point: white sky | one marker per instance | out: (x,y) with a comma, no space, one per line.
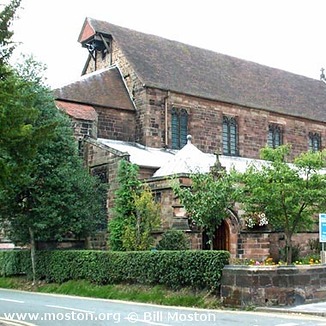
(286,34)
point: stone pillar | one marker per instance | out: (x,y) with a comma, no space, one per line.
(323,257)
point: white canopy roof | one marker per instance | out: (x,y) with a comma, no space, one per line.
(139,154)
(189,159)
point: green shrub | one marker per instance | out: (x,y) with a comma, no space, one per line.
(14,262)
(174,269)
(296,249)
(173,240)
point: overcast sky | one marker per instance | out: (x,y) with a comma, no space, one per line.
(286,34)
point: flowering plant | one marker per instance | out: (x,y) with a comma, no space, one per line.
(256,219)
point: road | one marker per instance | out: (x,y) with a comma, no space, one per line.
(58,310)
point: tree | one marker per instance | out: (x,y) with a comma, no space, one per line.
(17,112)
(135,214)
(289,195)
(208,201)
(45,193)
(138,232)
(7,16)
(124,208)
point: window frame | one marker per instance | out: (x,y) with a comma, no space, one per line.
(179,127)
(230,136)
(273,131)
(312,138)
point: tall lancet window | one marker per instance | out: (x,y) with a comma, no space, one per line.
(179,127)
(230,136)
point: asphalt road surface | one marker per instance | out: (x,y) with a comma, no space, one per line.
(57,310)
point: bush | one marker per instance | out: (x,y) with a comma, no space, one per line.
(15,262)
(296,249)
(173,240)
(174,269)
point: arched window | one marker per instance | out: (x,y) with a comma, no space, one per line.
(179,128)
(314,141)
(274,136)
(230,136)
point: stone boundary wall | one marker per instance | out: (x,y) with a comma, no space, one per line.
(272,285)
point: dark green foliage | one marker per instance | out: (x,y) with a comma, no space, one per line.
(54,195)
(45,192)
(135,213)
(15,263)
(124,211)
(175,269)
(129,184)
(45,189)
(7,16)
(173,240)
(138,233)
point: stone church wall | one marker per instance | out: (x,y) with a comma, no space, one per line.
(116,124)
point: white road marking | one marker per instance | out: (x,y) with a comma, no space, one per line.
(73,309)
(134,320)
(11,300)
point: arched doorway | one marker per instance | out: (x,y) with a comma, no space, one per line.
(221,239)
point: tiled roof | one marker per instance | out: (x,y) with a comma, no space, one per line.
(102,88)
(78,111)
(179,67)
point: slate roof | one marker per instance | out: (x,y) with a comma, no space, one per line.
(187,69)
(101,88)
(78,111)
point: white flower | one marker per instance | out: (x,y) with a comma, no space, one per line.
(258,219)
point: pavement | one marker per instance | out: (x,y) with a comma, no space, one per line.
(316,309)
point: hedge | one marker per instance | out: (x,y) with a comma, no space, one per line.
(175,269)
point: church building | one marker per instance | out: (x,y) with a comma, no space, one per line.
(140,96)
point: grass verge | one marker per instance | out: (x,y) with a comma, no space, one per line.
(129,292)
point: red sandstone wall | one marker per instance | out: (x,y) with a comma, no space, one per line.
(272,285)
(116,124)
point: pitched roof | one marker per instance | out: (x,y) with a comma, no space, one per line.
(189,159)
(101,88)
(179,67)
(77,111)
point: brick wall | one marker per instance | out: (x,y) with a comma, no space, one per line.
(253,245)
(261,244)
